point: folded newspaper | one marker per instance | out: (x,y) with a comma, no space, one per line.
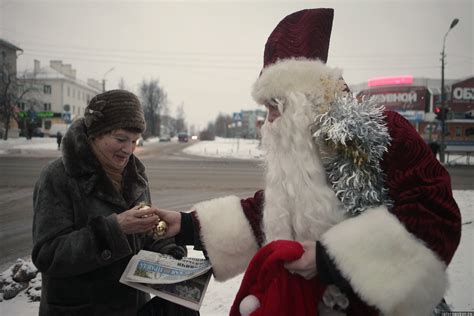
(183,282)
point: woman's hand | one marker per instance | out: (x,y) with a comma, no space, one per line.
(172,219)
(137,220)
(306,264)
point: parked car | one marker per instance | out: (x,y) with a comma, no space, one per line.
(165,138)
(55,128)
(35,132)
(183,137)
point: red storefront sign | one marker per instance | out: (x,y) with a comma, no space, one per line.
(401,98)
(462,96)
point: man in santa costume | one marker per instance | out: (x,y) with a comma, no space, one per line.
(353,183)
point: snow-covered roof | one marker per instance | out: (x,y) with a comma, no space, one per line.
(48,73)
(9,45)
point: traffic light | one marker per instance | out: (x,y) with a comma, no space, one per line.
(441,113)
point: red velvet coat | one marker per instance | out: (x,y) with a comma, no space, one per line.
(391,260)
(420,188)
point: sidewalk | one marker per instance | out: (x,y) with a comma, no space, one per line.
(37,146)
(219,148)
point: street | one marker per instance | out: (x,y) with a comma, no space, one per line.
(177,182)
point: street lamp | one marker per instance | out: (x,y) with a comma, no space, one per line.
(103,78)
(443,105)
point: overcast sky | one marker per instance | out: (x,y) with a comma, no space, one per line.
(207,54)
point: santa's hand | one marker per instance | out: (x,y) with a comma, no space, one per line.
(172,219)
(306,264)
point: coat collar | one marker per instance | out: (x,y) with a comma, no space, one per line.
(80,162)
(352,138)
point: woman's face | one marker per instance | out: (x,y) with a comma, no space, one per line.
(117,146)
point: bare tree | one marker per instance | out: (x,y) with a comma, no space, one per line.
(221,123)
(166,128)
(209,133)
(12,92)
(154,100)
(180,119)
(122,85)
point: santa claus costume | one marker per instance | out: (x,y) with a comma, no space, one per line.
(350,175)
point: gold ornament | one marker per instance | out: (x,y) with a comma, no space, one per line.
(350,150)
(144,206)
(161,227)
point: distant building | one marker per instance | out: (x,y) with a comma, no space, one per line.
(250,123)
(8,56)
(8,74)
(62,97)
(418,100)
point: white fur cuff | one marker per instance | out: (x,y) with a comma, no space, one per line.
(386,265)
(226,235)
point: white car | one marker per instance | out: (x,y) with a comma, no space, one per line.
(165,138)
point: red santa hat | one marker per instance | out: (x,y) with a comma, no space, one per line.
(295,56)
(305,33)
(269,289)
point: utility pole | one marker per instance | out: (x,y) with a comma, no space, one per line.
(443,105)
(103,78)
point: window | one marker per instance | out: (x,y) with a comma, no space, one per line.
(458,132)
(73,93)
(68,91)
(47,124)
(47,106)
(469,132)
(73,109)
(47,89)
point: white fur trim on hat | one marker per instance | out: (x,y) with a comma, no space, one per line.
(226,235)
(297,75)
(386,265)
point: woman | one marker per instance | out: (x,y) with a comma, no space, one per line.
(87,222)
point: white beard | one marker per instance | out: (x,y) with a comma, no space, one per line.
(299,204)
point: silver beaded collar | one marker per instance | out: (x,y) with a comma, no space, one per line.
(352,138)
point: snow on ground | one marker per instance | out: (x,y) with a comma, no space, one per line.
(227,148)
(219,296)
(23,146)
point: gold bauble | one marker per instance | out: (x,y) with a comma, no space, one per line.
(160,229)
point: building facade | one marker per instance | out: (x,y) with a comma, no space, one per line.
(8,87)
(419,101)
(60,96)
(250,123)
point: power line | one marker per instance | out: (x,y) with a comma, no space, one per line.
(136,61)
(42,44)
(118,54)
(46,43)
(188,62)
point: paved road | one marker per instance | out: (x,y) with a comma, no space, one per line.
(177,182)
